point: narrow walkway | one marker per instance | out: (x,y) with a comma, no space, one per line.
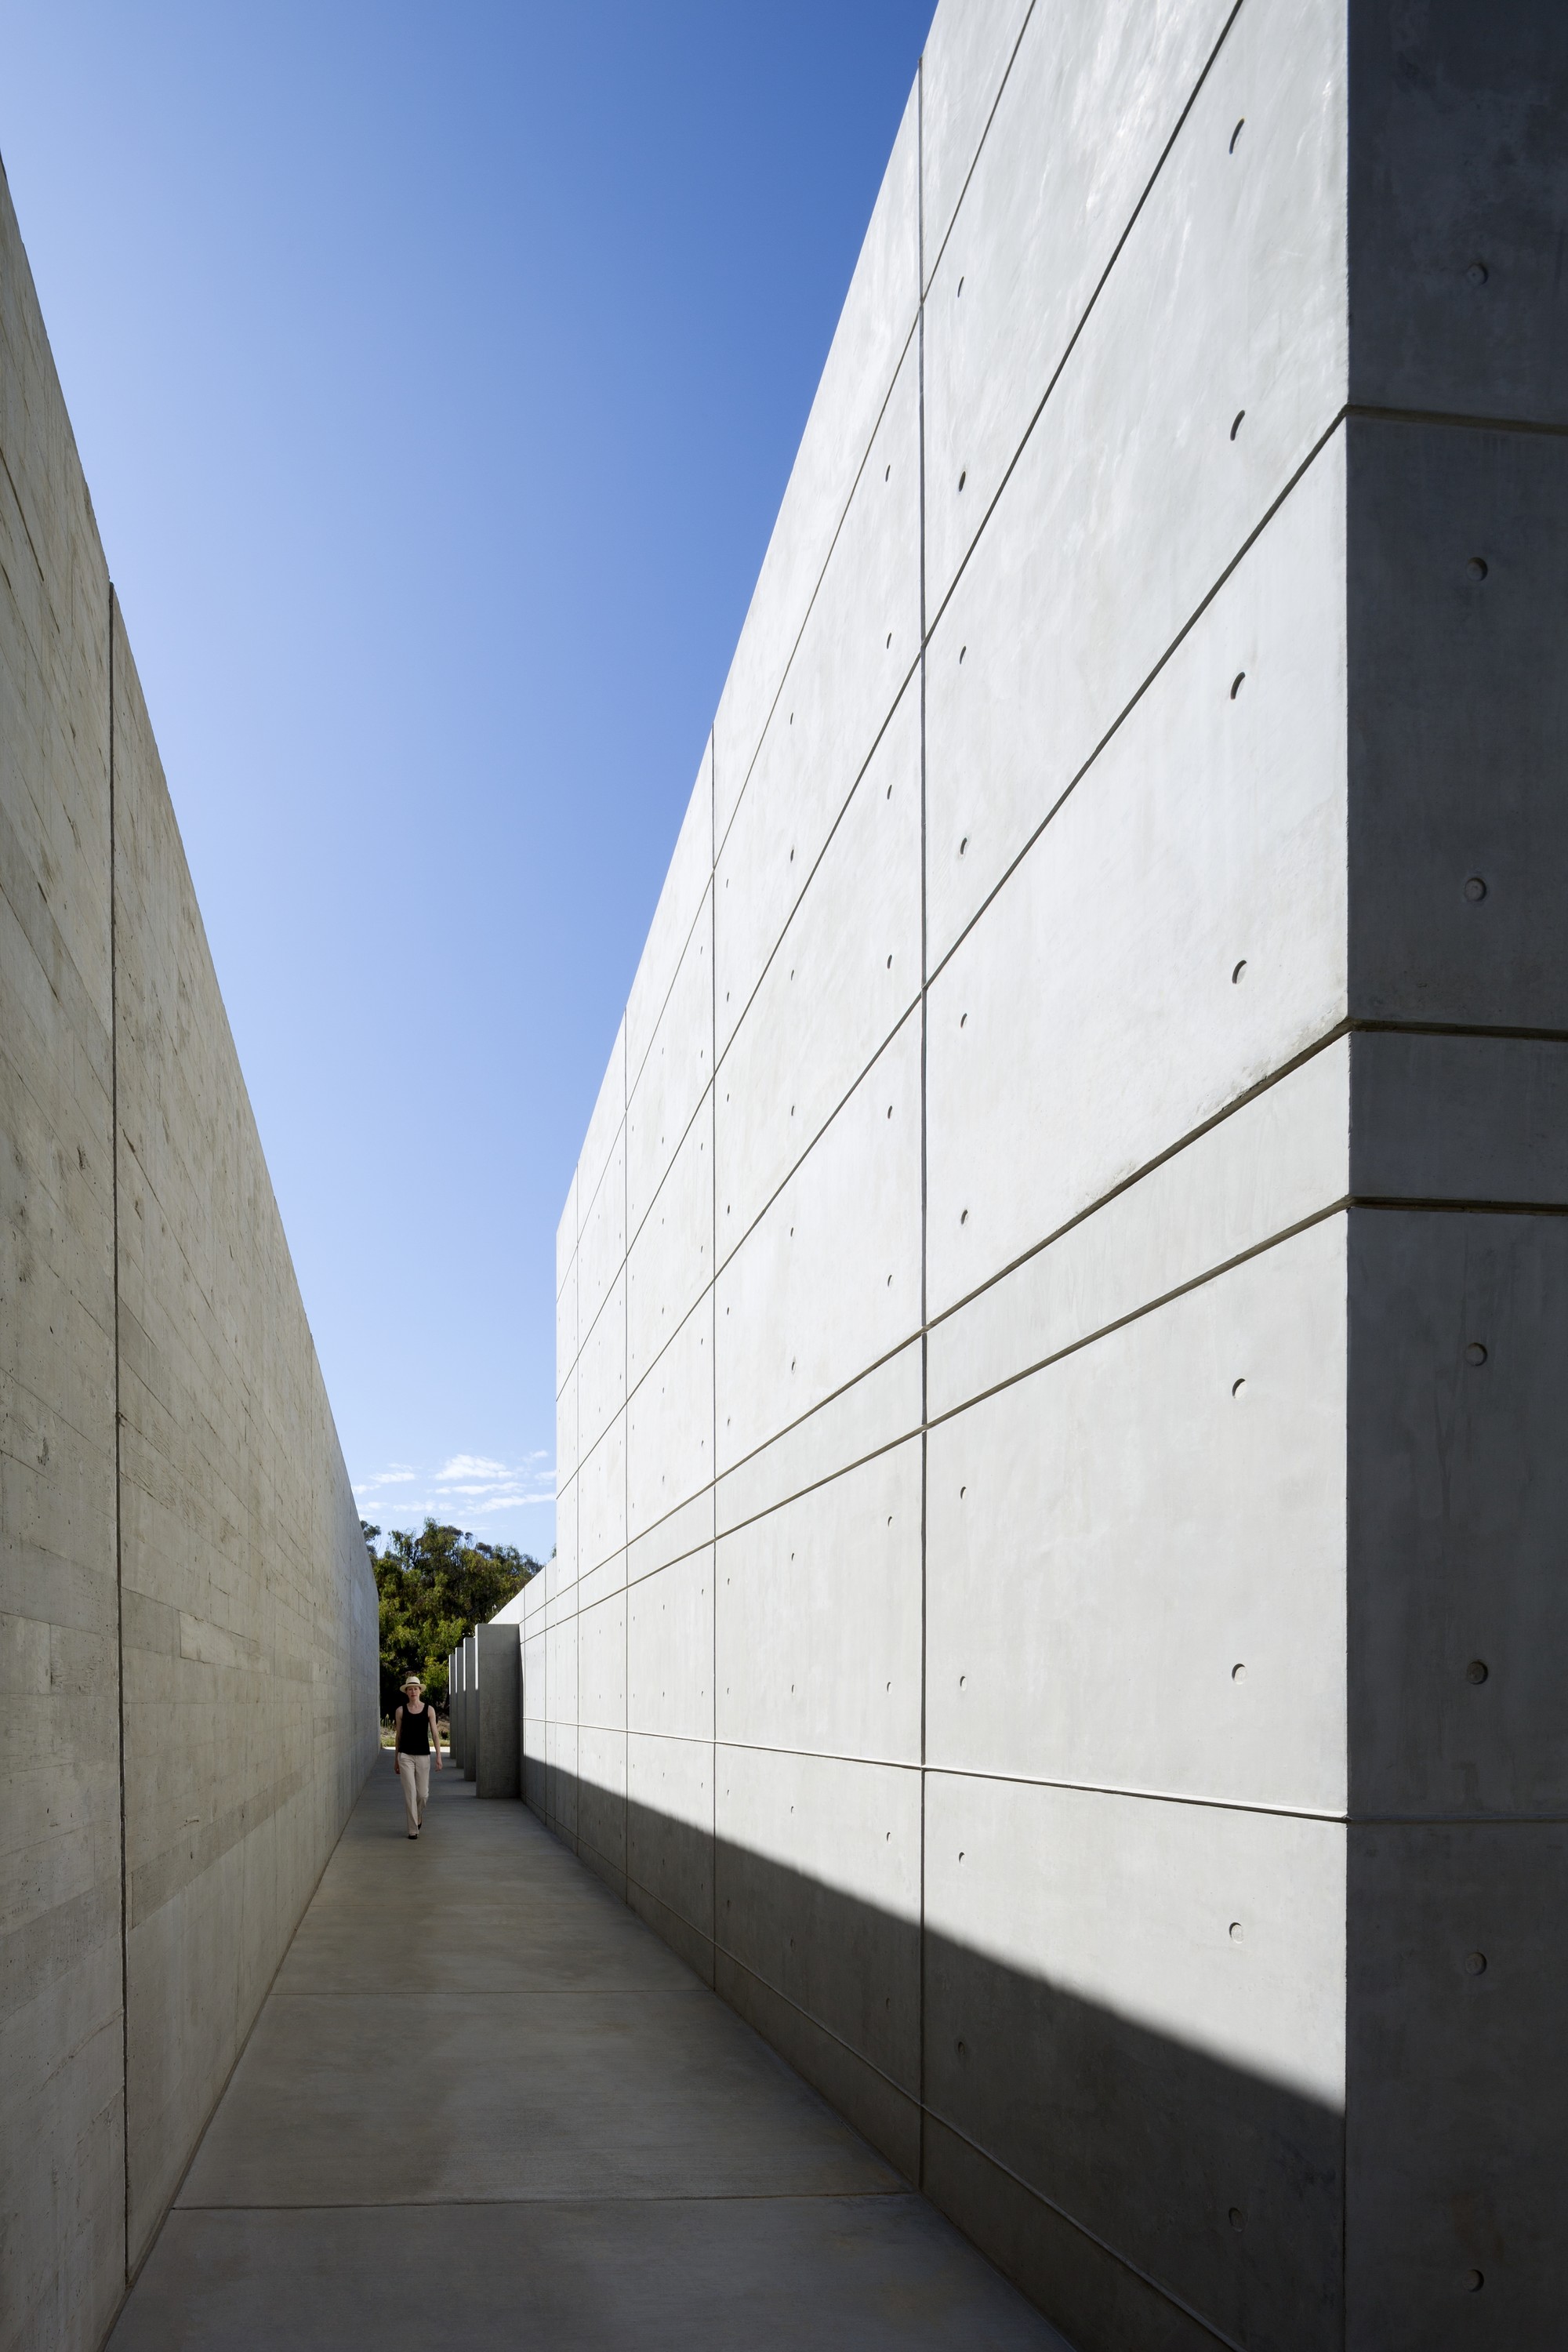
(483,2105)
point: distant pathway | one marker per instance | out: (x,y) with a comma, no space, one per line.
(484,2105)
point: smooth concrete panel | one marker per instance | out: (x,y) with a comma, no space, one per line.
(598,1583)
(1176,1974)
(1136,1558)
(670,1650)
(563,1740)
(818,1894)
(1280,1160)
(566,1430)
(669,1838)
(843,1230)
(566,1233)
(605,1124)
(819,1602)
(671,1260)
(674,1077)
(856,653)
(602,1663)
(871,338)
(968,53)
(670,1424)
(677,911)
(872,1414)
(1038,227)
(567,1321)
(1466,1119)
(683,1530)
(601,1252)
(845,975)
(1457,1500)
(561,1698)
(601,1370)
(1457,2134)
(1457,195)
(566,1531)
(1228,296)
(1448,684)
(1191,895)
(602,1803)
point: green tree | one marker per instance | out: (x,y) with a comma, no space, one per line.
(434,1587)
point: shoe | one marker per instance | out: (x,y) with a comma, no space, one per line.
(413,1833)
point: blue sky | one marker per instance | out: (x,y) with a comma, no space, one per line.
(437,371)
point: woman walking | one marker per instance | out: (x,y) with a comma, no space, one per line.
(412,1747)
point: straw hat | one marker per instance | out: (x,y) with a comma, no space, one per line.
(412,1682)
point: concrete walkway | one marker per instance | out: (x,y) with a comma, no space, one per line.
(484,2105)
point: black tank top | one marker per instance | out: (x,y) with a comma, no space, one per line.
(414,1739)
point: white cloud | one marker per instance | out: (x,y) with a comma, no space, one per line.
(485,1491)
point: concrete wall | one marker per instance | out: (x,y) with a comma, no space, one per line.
(187,1616)
(1060,1339)
(497,1745)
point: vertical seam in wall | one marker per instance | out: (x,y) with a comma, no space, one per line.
(119,1550)
(920,364)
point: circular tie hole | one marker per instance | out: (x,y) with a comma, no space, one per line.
(1236,423)
(1238,1674)
(1477,567)
(1475,889)
(1236,684)
(963,477)
(1237,973)
(1475,1353)
(1477,1671)
(890,968)
(962,1680)
(1236,133)
(1236,1386)
(888,476)
(1477,273)
(1237,1933)
(961,651)
(964,1216)
(963,845)
(890,636)
(1475,2281)
(962,1492)
(1475,1964)
(1237,2218)
(960,289)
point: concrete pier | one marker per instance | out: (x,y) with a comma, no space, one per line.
(483,2100)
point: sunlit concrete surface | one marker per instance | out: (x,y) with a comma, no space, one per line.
(483,2100)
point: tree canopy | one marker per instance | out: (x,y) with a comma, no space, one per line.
(434,1589)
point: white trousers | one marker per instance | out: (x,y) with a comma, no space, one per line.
(414,1772)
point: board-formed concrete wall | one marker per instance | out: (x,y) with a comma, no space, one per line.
(1063,1338)
(187,1614)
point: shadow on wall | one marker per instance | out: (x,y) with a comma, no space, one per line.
(1239,2195)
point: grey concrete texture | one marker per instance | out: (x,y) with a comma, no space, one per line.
(599,2148)
(187,1617)
(1054,1611)
(497,1770)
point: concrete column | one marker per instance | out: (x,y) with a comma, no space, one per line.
(496,1746)
(471,1705)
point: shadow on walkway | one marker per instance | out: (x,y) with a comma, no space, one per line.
(482,2099)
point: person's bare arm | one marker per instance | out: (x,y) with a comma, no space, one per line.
(396,1737)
